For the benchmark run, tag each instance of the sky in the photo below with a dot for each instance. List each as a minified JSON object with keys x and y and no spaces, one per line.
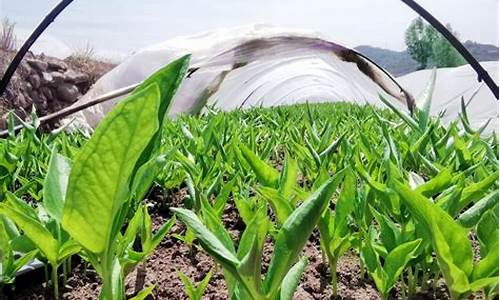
{"x":116,"y":28}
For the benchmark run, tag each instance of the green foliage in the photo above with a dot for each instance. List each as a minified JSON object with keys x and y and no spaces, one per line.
{"x":85,"y":203}
{"x":429,"y":48}
{"x":195,"y":291}
{"x":386,"y":276}
{"x":443,"y":53}
{"x":419,"y":39}
{"x":405,"y":193}
{"x":244,"y":265}
{"x":9,"y":264}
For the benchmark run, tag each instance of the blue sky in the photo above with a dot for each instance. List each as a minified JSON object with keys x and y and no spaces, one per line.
{"x":122,"y":26}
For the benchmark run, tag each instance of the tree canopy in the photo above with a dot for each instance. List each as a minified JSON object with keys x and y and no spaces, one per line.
{"x":429,"y":48}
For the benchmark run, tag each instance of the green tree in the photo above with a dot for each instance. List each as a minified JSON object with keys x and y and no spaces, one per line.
{"x":443,"y":53}
{"x":429,"y":48}
{"x":419,"y":38}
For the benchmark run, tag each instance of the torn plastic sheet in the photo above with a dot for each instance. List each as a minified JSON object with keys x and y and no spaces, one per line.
{"x":451,"y":85}
{"x":266,"y":66}
{"x":252,"y":66}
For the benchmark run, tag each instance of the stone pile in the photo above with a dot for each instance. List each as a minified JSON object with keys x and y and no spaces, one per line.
{"x":46,"y":83}
{"x":49,"y":85}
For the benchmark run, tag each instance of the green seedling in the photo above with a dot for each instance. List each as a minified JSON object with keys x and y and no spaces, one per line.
{"x":386,"y":275}
{"x":195,"y":291}
{"x":243,"y":267}
{"x":452,"y":246}
{"x":105,"y":170}
{"x":10,"y":263}
{"x":42,"y":226}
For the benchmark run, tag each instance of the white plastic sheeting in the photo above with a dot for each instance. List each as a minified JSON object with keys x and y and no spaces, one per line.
{"x":252,"y":66}
{"x":454,"y":83}
{"x":266,"y":66}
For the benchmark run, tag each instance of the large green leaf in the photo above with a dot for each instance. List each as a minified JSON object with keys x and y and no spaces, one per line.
{"x":345,"y":204}
{"x":99,"y":180}
{"x":449,"y":239}
{"x":471,"y":216}
{"x":209,"y":241}
{"x":474,"y":192}
{"x":266,"y":174}
{"x":281,"y":206}
{"x":145,"y":176}
{"x":250,"y":251}
{"x":292,"y":279}
{"x":437,"y":184}
{"x":288,"y":178}
{"x":168,"y":79}
{"x":424,"y":101}
{"x":34,"y":230}
{"x":487,"y":233}
{"x":396,"y":261}
{"x":389,"y":232}
{"x":55,"y":185}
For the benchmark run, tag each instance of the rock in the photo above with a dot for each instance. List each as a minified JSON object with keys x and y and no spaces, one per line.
{"x":35,"y":96}
{"x":46,"y":78}
{"x":67,"y":92}
{"x":24,"y":69}
{"x":20,"y":101}
{"x":38,"y":65}
{"x":75,"y":77}
{"x":57,"y":65}
{"x":47,"y":92}
{"x":57,"y":77}
{"x":34,"y":79}
{"x":42,"y":106}
{"x":29,"y":101}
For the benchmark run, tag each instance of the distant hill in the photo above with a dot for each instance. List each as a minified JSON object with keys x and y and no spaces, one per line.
{"x":400,"y":62}
{"x":482,"y":52}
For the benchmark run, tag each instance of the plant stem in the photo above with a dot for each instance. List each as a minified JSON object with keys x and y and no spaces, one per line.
{"x":361,"y":268}
{"x":70,"y":267}
{"x":435,"y":281}
{"x":65,"y":271}
{"x":333,"y":272}
{"x":334,"y":283}
{"x":55,"y":281}
{"x":425,"y":278}
{"x":411,"y":282}
{"x":107,"y":267}
{"x":403,"y":287}
{"x":46,"y":274}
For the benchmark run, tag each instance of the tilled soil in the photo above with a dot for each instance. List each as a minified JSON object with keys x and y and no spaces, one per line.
{"x":173,"y":256}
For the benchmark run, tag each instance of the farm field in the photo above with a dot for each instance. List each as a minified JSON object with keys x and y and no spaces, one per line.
{"x":311,"y":201}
